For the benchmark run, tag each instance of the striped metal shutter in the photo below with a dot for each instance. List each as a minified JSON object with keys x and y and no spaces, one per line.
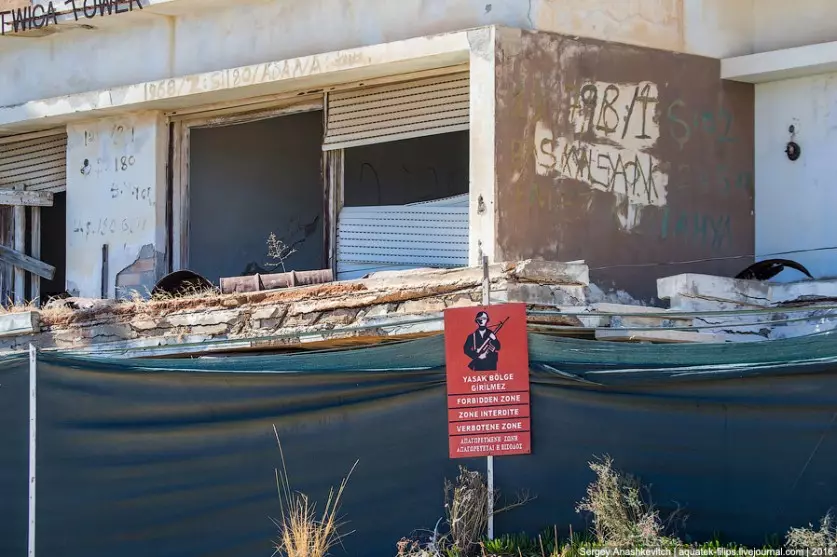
{"x":37,"y":162}
{"x":397,"y":111}
{"x":429,"y":234}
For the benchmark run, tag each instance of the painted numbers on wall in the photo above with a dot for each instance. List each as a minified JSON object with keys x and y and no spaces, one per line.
{"x":623,"y":112}
{"x":131,"y":191}
{"x":117,"y":203}
{"x":237,"y":77}
{"x":107,"y":226}
{"x":613,"y":126}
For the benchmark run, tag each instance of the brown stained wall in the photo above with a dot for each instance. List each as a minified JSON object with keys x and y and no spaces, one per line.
{"x":621,"y":155}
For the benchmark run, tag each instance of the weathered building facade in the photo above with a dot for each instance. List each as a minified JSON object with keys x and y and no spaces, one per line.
{"x":156,"y":135}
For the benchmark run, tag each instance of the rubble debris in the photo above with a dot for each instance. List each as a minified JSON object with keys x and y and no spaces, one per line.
{"x":776,"y":310}
{"x":180,"y":283}
{"x":409,"y":304}
{"x":139,"y":277}
{"x":257,"y":282}
{"x":388,"y":305}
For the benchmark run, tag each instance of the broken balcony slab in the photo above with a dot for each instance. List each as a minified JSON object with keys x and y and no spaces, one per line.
{"x":800,"y":307}
{"x":745,"y":293}
{"x":533,"y":270}
{"x":23,"y":323}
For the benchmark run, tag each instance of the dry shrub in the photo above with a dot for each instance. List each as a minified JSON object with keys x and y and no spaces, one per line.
{"x":466,"y":503}
{"x":622,"y":517}
{"x":807,"y":538}
{"x":466,"y":511}
{"x":302,"y":532}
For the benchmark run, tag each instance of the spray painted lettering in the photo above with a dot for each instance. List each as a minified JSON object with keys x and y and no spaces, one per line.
{"x":629,"y":174}
{"x":713,"y":231}
{"x":37,"y":16}
{"x":718,"y":178}
{"x":715,"y":124}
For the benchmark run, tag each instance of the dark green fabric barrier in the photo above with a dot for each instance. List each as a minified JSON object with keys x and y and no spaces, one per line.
{"x":137,"y":463}
{"x":575,"y":357}
{"x":141,"y":458}
{"x":14,"y":455}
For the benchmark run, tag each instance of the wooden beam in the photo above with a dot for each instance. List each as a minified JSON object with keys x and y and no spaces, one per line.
{"x":23,"y":263}
{"x":26,"y":198}
{"x":35,"y":237}
{"x":7,"y":225}
{"x":19,"y":248}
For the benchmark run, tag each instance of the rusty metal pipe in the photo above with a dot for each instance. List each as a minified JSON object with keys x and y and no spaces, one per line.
{"x":257,"y":282}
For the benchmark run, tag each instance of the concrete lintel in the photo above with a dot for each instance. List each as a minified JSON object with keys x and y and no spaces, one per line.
{"x":303,"y":74}
{"x":781,"y":64}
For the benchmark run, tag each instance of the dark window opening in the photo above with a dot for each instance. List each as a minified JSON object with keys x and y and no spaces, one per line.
{"x":407,"y":171}
{"x":405,"y":206}
{"x":54,"y":245}
{"x":248,"y":181}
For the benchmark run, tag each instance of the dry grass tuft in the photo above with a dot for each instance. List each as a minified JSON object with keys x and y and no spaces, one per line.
{"x":824,"y":539}
{"x":18,"y":307}
{"x":622,"y":517}
{"x":302,"y":533}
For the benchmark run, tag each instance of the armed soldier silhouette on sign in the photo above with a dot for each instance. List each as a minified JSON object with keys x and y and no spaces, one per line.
{"x":482,"y":346}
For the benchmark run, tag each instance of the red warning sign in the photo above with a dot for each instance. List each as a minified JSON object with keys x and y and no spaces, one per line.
{"x":487,"y":361}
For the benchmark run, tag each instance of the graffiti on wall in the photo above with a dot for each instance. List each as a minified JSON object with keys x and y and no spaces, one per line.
{"x":614,"y":126}
{"x":685,"y":122}
{"x":713,"y":231}
{"x":38,"y":16}
{"x":122,"y":204}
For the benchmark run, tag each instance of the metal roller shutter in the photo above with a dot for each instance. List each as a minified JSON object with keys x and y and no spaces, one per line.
{"x":37,"y":162}
{"x":430,"y":234}
{"x":397,"y":111}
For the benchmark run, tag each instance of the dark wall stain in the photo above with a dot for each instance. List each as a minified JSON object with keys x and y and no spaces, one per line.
{"x":705,"y":146}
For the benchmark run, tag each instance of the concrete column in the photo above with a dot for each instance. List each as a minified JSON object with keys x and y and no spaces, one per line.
{"x":116,"y":188}
{"x":481,"y":238}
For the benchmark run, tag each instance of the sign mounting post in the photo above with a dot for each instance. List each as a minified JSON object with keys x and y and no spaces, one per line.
{"x":487,"y":368}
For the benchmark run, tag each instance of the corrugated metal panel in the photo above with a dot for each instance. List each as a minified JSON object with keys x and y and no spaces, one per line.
{"x":433,"y":234}
{"x":398,"y":111}
{"x":38,"y":163}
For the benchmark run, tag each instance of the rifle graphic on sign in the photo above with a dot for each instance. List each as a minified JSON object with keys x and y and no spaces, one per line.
{"x":482,"y":346}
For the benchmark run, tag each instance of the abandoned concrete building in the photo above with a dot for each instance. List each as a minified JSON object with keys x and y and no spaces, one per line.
{"x":633,"y":141}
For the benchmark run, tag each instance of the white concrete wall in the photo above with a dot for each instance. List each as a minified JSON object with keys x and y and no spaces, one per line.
{"x":781,"y":24}
{"x":206,"y":39}
{"x":796,"y":202}
{"x":209,"y":38}
{"x":119,"y":200}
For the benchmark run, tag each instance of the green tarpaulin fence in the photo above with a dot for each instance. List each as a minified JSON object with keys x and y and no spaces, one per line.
{"x":160,"y":457}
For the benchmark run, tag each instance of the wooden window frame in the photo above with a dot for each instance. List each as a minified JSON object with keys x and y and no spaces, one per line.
{"x":183,"y":122}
